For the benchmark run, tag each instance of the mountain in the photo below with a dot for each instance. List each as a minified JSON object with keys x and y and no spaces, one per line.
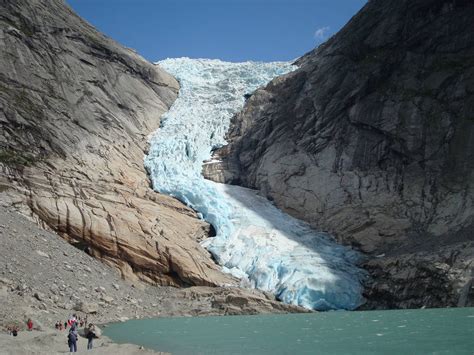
{"x":75,"y":112}
{"x":372,"y":139}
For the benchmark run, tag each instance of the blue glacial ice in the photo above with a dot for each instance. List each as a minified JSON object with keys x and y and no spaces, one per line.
{"x":256,"y":242}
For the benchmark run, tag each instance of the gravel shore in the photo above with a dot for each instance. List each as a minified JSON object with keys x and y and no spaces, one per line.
{"x":45,"y":278}
{"x":54,"y":342}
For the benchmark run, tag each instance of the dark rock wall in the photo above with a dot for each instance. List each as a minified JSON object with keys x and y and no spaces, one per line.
{"x":372,"y":139}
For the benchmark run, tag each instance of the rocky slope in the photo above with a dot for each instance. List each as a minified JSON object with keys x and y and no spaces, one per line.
{"x":45,"y":278}
{"x":75,"y":112}
{"x":372,"y":140}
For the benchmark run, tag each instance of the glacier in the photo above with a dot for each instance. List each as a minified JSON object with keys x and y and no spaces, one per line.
{"x":255,"y":241}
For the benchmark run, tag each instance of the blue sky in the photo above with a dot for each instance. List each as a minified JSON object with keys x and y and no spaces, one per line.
{"x":232,"y":30}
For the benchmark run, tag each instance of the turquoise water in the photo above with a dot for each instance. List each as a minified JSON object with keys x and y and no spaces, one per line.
{"x":424,"y":331}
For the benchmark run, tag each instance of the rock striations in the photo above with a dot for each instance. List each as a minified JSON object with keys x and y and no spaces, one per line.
{"x":75,"y":112}
{"x":372,"y":139}
{"x":45,"y":278}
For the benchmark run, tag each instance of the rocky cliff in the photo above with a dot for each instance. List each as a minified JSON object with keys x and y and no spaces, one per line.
{"x":372,"y":139}
{"x":75,"y":112}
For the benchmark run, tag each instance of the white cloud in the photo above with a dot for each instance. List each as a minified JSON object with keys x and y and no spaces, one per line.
{"x":321,"y":33}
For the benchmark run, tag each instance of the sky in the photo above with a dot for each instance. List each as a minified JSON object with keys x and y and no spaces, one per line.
{"x":231,"y":30}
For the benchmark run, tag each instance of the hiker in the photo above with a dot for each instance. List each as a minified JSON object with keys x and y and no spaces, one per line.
{"x":29,"y":324}
{"x":65,"y":325}
{"x":73,"y":320}
{"x":14,"y":331}
{"x":72,"y":340}
{"x":90,"y":335}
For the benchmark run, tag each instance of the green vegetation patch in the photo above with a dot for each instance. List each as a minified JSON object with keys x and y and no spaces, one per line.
{"x":15,"y":158}
{"x":24,"y":104}
{"x":451,"y":64}
{"x":410,"y":94}
{"x":22,"y":26}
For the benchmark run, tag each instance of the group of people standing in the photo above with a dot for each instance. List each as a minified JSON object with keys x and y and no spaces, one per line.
{"x":73,"y":336}
{"x":14,"y":329}
{"x":90,"y":331}
{"x":78,"y":321}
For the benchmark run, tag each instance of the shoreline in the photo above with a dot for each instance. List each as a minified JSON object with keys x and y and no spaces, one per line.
{"x":367,"y":331}
{"x":45,"y":278}
{"x":51,"y":341}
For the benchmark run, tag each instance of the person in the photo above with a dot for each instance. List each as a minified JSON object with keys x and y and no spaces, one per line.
{"x":65,"y":325}
{"x":72,"y":340}
{"x":72,"y":321}
{"x":15,"y":331}
{"x":90,"y":335}
{"x":29,"y":323}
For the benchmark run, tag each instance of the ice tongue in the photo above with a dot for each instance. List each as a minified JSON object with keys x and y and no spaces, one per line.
{"x":255,"y":241}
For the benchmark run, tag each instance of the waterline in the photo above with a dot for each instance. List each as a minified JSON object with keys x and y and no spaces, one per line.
{"x":427,"y":331}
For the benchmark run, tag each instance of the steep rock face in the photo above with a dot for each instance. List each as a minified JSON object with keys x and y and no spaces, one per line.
{"x":372,"y":139}
{"x":75,"y":111}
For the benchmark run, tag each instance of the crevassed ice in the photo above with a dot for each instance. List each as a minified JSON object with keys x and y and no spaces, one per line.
{"x":264,"y":247}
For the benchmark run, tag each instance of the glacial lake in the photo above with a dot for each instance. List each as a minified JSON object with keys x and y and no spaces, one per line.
{"x":423,"y":331}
